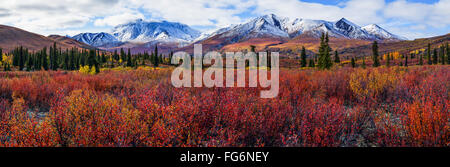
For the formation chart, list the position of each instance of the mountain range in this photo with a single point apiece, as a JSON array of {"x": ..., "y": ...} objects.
[
  {"x": 142, "y": 34},
  {"x": 269, "y": 32}
]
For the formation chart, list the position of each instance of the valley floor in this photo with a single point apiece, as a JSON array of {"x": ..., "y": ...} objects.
[{"x": 397, "y": 106}]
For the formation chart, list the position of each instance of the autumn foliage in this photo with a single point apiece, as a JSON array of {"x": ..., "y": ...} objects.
[{"x": 139, "y": 107}]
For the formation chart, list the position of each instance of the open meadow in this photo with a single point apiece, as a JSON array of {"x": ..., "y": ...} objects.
[{"x": 344, "y": 106}]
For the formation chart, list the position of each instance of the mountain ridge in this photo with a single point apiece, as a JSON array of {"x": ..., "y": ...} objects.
[{"x": 263, "y": 27}]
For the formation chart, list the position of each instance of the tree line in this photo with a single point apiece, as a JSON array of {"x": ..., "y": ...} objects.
[
  {"x": 56, "y": 58},
  {"x": 323, "y": 60}
]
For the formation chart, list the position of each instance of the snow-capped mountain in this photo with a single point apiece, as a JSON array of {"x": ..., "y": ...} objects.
[
  {"x": 264, "y": 26},
  {"x": 274, "y": 26},
  {"x": 96, "y": 39},
  {"x": 142, "y": 31},
  {"x": 208, "y": 34},
  {"x": 380, "y": 33}
]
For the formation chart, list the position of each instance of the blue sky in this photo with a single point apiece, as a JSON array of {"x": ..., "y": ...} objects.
[{"x": 408, "y": 18}]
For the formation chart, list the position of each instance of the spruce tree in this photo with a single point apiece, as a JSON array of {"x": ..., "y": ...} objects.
[
  {"x": 45, "y": 64},
  {"x": 376, "y": 61},
  {"x": 312, "y": 63},
  {"x": 435, "y": 56},
  {"x": 129, "y": 61},
  {"x": 442, "y": 54},
  {"x": 72, "y": 59},
  {"x": 91, "y": 59},
  {"x": 324, "y": 53},
  {"x": 448, "y": 53},
  {"x": 337, "y": 60},
  {"x": 54, "y": 57},
  {"x": 421, "y": 59},
  {"x": 21, "y": 58},
  {"x": 303, "y": 57},
  {"x": 122, "y": 54},
  {"x": 66, "y": 60},
  {"x": 429, "y": 54},
  {"x": 364, "y": 62},
  {"x": 116, "y": 56},
  {"x": 29, "y": 63},
  {"x": 353, "y": 63},
  {"x": 155, "y": 57},
  {"x": 406, "y": 60}
]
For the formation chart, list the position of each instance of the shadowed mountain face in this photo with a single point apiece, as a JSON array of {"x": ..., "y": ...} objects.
[{"x": 11, "y": 37}]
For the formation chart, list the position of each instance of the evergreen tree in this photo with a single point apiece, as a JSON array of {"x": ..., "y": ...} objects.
[
  {"x": 442, "y": 54},
  {"x": 129, "y": 61},
  {"x": 29, "y": 63},
  {"x": 303, "y": 56},
  {"x": 324, "y": 53},
  {"x": 91, "y": 58},
  {"x": 364, "y": 62},
  {"x": 435, "y": 56},
  {"x": 420, "y": 59},
  {"x": 143, "y": 59},
  {"x": 92, "y": 61},
  {"x": 337, "y": 60},
  {"x": 116, "y": 56},
  {"x": 45, "y": 64},
  {"x": 122, "y": 54},
  {"x": 66, "y": 60},
  {"x": 406, "y": 60},
  {"x": 155, "y": 57},
  {"x": 269, "y": 60},
  {"x": 376, "y": 61},
  {"x": 103, "y": 58},
  {"x": 312, "y": 63},
  {"x": 54, "y": 57},
  {"x": 253, "y": 49},
  {"x": 170, "y": 57},
  {"x": 353, "y": 63},
  {"x": 448, "y": 53},
  {"x": 72, "y": 59},
  {"x": 22, "y": 58},
  {"x": 429, "y": 54},
  {"x": 83, "y": 59}
]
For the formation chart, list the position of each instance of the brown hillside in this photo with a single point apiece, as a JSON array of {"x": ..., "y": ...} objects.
[
  {"x": 70, "y": 42},
  {"x": 11, "y": 37}
]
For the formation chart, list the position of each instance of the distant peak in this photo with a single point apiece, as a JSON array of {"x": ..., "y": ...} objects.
[
  {"x": 345, "y": 20},
  {"x": 373, "y": 25}
]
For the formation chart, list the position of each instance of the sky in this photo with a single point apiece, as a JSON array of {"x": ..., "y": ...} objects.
[{"x": 408, "y": 18}]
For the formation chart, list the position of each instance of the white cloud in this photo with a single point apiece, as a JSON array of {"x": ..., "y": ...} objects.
[
  {"x": 115, "y": 20},
  {"x": 435, "y": 15},
  {"x": 43, "y": 16},
  {"x": 196, "y": 12},
  {"x": 358, "y": 11},
  {"x": 49, "y": 16}
]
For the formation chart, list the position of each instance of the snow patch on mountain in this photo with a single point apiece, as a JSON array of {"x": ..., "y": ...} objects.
[
  {"x": 381, "y": 33},
  {"x": 274, "y": 26},
  {"x": 96, "y": 39},
  {"x": 142, "y": 31}
]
